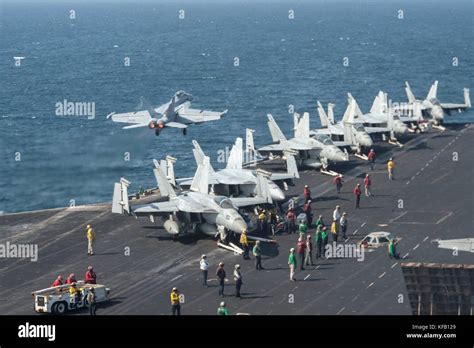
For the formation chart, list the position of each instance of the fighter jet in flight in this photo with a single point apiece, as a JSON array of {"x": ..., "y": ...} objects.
[
  {"x": 430, "y": 106},
  {"x": 234, "y": 180},
  {"x": 193, "y": 210},
  {"x": 380, "y": 120},
  {"x": 314, "y": 152},
  {"x": 174, "y": 114},
  {"x": 345, "y": 133}
]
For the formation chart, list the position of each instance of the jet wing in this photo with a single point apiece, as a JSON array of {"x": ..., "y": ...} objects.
[
  {"x": 139, "y": 117},
  {"x": 292, "y": 144},
  {"x": 222, "y": 178},
  {"x": 281, "y": 176},
  {"x": 453, "y": 106},
  {"x": 187, "y": 204},
  {"x": 189, "y": 181},
  {"x": 159, "y": 208},
  {"x": 248, "y": 201},
  {"x": 198, "y": 116}
]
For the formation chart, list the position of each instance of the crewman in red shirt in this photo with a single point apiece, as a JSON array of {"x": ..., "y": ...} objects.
[
  {"x": 91, "y": 277},
  {"x": 357, "y": 195}
]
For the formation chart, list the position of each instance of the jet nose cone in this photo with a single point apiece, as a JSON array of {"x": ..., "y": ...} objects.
[
  {"x": 437, "y": 113},
  {"x": 238, "y": 225},
  {"x": 364, "y": 140},
  {"x": 277, "y": 194},
  {"x": 400, "y": 127},
  {"x": 334, "y": 154}
]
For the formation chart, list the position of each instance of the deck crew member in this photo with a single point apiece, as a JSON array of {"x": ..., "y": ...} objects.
[
  {"x": 371, "y": 156},
  {"x": 257, "y": 252},
  {"x": 307, "y": 211},
  {"x": 90, "y": 240},
  {"x": 338, "y": 183},
  {"x": 319, "y": 241},
  {"x": 245, "y": 245},
  {"x": 291, "y": 218},
  {"x": 307, "y": 193},
  {"x": 292, "y": 263},
  {"x": 58, "y": 281},
  {"x": 91, "y": 300},
  {"x": 238, "y": 280},
  {"x": 91, "y": 277},
  {"x": 334, "y": 230},
  {"x": 220, "y": 273},
  {"x": 367, "y": 185},
  {"x": 301, "y": 250},
  {"x": 308, "y": 260},
  {"x": 175, "y": 305},
  {"x": 343, "y": 224},
  {"x": 222, "y": 310},
  {"x": 390, "y": 168},
  {"x": 71, "y": 279},
  {"x": 74, "y": 293},
  {"x": 357, "y": 194},
  {"x": 204, "y": 266}
]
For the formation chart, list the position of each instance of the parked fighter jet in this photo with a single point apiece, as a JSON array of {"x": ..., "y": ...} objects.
[
  {"x": 193, "y": 210},
  {"x": 174, "y": 114},
  {"x": 431, "y": 106},
  {"x": 234, "y": 180},
  {"x": 345, "y": 133},
  {"x": 315, "y": 152},
  {"x": 379, "y": 120}
]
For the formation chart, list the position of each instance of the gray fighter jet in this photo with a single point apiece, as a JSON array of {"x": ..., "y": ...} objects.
[
  {"x": 234, "y": 180},
  {"x": 430, "y": 107},
  {"x": 314, "y": 152},
  {"x": 380, "y": 120},
  {"x": 174, "y": 114},
  {"x": 345, "y": 133},
  {"x": 193, "y": 210}
]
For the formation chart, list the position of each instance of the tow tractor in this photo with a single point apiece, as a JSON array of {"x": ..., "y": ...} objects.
[{"x": 57, "y": 299}]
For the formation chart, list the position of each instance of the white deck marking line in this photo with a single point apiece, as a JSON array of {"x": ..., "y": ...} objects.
[
  {"x": 176, "y": 277},
  {"x": 355, "y": 298},
  {"x": 441, "y": 177},
  {"x": 393, "y": 266},
  {"x": 355, "y": 231},
  {"x": 307, "y": 276},
  {"x": 416, "y": 246},
  {"x": 380, "y": 276},
  {"x": 405, "y": 256},
  {"x": 370, "y": 285},
  {"x": 424, "y": 239},
  {"x": 443, "y": 218},
  {"x": 340, "y": 311},
  {"x": 317, "y": 266},
  {"x": 363, "y": 224}
]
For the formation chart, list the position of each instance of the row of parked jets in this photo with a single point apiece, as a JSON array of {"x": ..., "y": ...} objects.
[{"x": 215, "y": 202}]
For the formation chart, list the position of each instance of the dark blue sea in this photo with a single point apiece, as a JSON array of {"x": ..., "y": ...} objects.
[{"x": 283, "y": 61}]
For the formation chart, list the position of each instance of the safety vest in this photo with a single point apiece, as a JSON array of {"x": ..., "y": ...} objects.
[{"x": 174, "y": 298}]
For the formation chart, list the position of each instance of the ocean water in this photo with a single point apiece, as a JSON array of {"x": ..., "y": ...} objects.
[{"x": 49, "y": 161}]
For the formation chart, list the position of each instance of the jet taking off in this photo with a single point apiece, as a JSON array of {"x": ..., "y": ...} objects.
[
  {"x": 174, "y": 114},
  {"x": 193, "y": 210},
  {"x": 315, "y": 152},
  {"x": 345, "y": 133},
  {"x": 431, "y": 106},
  {"x": 379, "y": 120},
  {"x": 236, "y": 181}
]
